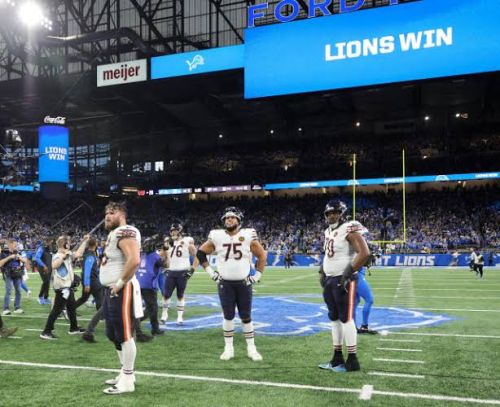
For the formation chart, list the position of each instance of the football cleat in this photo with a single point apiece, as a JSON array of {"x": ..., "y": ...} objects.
[
  {"x": 227, "y": 354},
  {"x": 114, "y": 381},
  {"x": 180, "y": 321},
  {"x": 6, "y": 312},
  {"x": 253, "y": 354},
  {"x": 329, "y": 366},
  {"x": 48, "y": 336},
  {"x": 88, "y": 337},
  {"x": 19, "y": 311},
  {"x": 352, "y": 364},
  {"x": 365, "y": 330},
  {"x": 77, "y": 331},
  {"x": 337, "y": 360}
]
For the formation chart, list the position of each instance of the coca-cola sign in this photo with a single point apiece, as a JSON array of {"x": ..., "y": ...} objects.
[{"x": 54, "y": 120}]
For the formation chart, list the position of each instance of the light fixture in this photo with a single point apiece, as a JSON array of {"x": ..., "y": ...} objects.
[
  {"x": 221, "y": 136},
  {"x": 31, "y": 14},
  {"x": 271, "y": 132},
  {"x": 358, "y": 124},
  {"x": 299, "y": 129},
  {"x": 457, "y": 115},
  {"x": 427, "y": 118}
]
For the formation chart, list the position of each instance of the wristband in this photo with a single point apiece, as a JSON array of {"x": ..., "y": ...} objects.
[{"x": 120, "y": 283}]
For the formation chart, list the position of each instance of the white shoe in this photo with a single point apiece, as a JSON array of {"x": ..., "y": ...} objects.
[
  {"x": 180, "y": 321},
  {"x": 124, "y": 385},
  {"x": 227, "y": 354},
  {"x": 254, "y": 355},
  {"x": 6, "y": 312},
  {"x": 19, "y": 311},
  {"x": 164, "y": 315},
  {"x": 115, "y": 381}
]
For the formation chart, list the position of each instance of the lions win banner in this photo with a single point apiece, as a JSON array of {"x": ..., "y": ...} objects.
[
  {"x": 53, "y": 147},
  {"x": 417, "y": 40}
]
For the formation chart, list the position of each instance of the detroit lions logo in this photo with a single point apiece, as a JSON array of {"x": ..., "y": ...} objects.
[
  {"x": 196, "y": 62},
  {"x": 291, "y": 315}
]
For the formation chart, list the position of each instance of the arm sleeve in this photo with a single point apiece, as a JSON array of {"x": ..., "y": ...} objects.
[
  {"x": 38, "y": 257},
  {"x": 87, "y": 270}
]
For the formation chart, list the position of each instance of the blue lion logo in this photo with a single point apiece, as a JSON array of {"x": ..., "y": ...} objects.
[{"x": 289, "y": 316}]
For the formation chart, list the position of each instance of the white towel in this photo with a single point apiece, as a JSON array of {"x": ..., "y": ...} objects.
[{"x": 137, "y": 298}]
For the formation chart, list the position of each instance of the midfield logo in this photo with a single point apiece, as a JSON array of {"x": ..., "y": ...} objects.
[{"x": 295, "y": 316}]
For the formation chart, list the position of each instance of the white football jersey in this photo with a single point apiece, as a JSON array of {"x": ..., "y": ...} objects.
[
  {"x": 113, "y": 259},
  {"x": 233, "y": 252},
  {"x": 179, "y": 254},
  {"x": 338, "y": 251}
]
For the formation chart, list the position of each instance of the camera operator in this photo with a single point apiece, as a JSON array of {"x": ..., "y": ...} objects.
[
  {"x": 12, "y": 264},
  {"x": 63, "y": 280}
]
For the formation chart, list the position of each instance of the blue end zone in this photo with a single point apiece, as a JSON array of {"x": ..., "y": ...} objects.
[{"x": 291, "y": 315}]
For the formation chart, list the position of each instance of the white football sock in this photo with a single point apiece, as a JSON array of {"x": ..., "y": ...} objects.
[
  {"x": 337, "y": 334},
  {"x": 128, "y": 352},
  {"x": 228, "y": 328},
  {"x": 350, "y": 335},
  {"x": 249, "y": 335},
  {"x": 180, "y": 308}
]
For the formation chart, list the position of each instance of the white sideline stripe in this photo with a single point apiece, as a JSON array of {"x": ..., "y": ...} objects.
[
  {"x": 435, "y": 289},
  {"x": 268, "y": 384},
  {"x": 440, "y": 334},
  {"x": 400, "y": 340},
  {"x": 455, "y": 309},
  {"x": 188, "y": 377},
  {"x": 436, "y": 397},
  {"x": 14, "y": 337},
  {"x": 366, "y": 392},
  {"x": 405, "y": 375},
  {"x": 418, "y": 362},
  {"x": 400, "y": 350}
]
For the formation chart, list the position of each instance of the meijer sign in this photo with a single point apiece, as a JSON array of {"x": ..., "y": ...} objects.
[{"x": 122, "y": 72}]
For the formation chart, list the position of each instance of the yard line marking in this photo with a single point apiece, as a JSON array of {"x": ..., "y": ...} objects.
[
  {"x": 400, "y": 350},
  {"x": 188, "y": 377},
  {"x": 405, "y": 375},
  {"x": 366, "y": 392},
  {"x": 400, "y": 340},
  {"x": 445, "y": 335},
  {"x": 436, "y": 397},
  {"x": 267, "y": 384},
  {"x": 417, "y": 362},
  {"x": 14, "y": 337}
]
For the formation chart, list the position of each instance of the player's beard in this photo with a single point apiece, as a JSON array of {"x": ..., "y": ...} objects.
[
  {"x": 232, "y": 228},
  {"x": 112, "y": 225}
]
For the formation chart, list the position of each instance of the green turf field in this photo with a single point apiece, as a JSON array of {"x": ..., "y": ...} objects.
[{"x": 454, "y": 363}]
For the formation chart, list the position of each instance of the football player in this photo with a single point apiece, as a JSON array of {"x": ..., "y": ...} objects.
[
  {"x": 346, "y": 252},
  {"x": 179, "y": 271},
  {"x": 122, "y": 295},
  {"x": 234, "y": 248}
]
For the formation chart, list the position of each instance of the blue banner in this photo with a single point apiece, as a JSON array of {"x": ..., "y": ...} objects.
[
  {"x": 417, "y": 40},
  {"x": 197, "y": 62},
  {"x": 387, "y": 260},
  {"x": 53, "y": 145},
  {"x": 383, "y": 181}
]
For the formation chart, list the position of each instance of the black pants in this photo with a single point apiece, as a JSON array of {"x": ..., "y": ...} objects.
[
  {"x": 44, "y": 288},
  {"x": 59, "y": 304},
  {"x": 150, "y": 299},
  {"x": 96, "y": 290},
  {"x": 478, "y": 268}
]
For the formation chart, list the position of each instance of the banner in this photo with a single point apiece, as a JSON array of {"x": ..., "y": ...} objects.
[
  {"x": 53, "y": 146},
  {"x": 413, "y": 41},
  {"x": 388, "y": 260}
]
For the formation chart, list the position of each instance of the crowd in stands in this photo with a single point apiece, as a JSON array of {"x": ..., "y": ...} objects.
[
  {"x": 327, "y": 159},
  {"x": 439, "y": 221}
]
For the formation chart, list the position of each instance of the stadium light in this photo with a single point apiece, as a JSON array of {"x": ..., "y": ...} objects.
[
  {"x": 358, "y": 124},
  {"x": 271, "y": 132},
  {"x": 31, "y": 14},
  {"x": 299, "y": 129},
  {"x": 221, "y": 135},
  {"x": 427, "y": 118}
]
